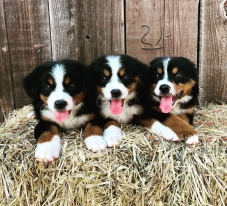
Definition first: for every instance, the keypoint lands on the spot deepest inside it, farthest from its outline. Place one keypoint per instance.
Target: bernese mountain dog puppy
(60, 96)
(119, 85)
(173, 92)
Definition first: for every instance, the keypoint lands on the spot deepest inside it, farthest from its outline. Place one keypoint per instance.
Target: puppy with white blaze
(60, 96)
(119, 85)
(172, 93)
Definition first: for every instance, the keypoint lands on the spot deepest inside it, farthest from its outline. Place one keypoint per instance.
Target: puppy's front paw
(95, 143)
(192, 140)
(48, 151)
(113, 136)
(163, 131)
(189, 133)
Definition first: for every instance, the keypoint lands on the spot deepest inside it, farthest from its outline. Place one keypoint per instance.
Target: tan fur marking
(160, 71)
(106, 72)
(132, 87)
(152, 87)
(91, 130)
(48, 135)
(174, 70)
(186, 88)
(140, 109)
(79, 98)
(99, 89)
(50, 81)
(184, 117)
(43, 98)
(91, 116)
(122, 72)
(181, 127)
(147, 123)
(110, 123)
(67, 80)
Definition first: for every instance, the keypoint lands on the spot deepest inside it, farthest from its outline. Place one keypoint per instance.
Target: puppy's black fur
(60, 96)
(172, 96)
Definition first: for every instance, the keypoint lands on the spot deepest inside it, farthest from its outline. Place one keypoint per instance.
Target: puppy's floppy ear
(30, 83)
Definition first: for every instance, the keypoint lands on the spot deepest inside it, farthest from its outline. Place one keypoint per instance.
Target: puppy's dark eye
(48, 87)
(179, 75)
(72, 86)
(157, 76)
(125, 77)
(103, 78)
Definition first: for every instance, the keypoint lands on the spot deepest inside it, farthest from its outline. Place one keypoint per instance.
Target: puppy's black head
(118, 72)
(118, 78)
(57, 86)
(173, 79)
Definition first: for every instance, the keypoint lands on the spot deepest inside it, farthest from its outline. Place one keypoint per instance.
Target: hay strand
(144, 170)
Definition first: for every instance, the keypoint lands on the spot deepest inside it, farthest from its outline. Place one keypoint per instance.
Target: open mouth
(167, 102)
(177, 96)
(116, 106)
(61, 116)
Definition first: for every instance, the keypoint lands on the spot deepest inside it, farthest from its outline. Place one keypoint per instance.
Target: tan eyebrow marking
(122, 72)
(50, 81)
(67, 80)
(175, 70)
(160, 71)
(106, 72)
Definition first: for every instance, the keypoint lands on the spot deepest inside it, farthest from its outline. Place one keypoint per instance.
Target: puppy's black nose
(116, 93)
(60, 104)
(164, 88)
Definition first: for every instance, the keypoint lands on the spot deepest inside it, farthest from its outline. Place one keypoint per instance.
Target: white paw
(163, 131)
(193, 140)
(113, 136)
(95, 143)
(48, 151)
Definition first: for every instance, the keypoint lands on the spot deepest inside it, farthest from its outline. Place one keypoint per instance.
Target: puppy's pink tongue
(61, 116)
(116, 106)
(166, 104)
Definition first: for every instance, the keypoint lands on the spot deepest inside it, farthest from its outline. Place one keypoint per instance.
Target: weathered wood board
(6, 87)
(213, 51)
(162, 28)
(85, 30)
(28, 34)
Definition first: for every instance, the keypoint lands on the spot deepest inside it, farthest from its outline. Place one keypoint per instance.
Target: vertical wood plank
(181, 25)
(173, 28)
(84, 29)
(144, 28)
(213, 51)
(6, 91)
(29, 40)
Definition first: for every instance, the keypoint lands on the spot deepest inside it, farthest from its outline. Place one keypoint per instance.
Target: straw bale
(144, 170)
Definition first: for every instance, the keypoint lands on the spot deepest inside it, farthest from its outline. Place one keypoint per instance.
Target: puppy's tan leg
(155, 127)
(182, 128)
(173, 128)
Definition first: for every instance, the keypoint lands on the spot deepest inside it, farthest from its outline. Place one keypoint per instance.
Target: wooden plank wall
(6, 87)
(163, 27)
(213, 51)
(33, 31)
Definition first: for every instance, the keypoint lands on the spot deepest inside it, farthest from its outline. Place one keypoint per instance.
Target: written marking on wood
(153, 46)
